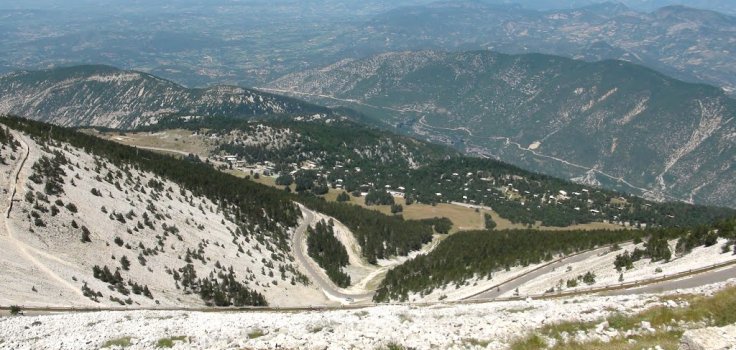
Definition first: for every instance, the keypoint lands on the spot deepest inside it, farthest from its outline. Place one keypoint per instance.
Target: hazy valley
(412, 174)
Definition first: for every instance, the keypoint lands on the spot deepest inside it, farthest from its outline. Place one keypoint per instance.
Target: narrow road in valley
(23, 248)
(299, 93)
(579, 166)
(316, 274)
(500, 289)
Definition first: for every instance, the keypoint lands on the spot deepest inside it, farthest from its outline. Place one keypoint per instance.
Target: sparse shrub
(123, 342)
(85, 233)
(394, 346)
(125, 263)
(15, 310)
(71, 207)
(589, 278)
(256, 333)
(490, 224)
(169, 342)
(96, 192)
(343, 197)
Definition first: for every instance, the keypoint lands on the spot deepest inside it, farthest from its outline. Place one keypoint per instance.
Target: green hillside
(612, 123)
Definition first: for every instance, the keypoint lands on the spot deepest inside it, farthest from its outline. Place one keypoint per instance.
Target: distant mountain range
(250, 43)
(608, 123)
(725, 6)
(611, 123)
(109, 97)
(687, 43)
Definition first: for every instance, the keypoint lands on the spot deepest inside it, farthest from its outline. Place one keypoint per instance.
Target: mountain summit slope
(109, 97)
(609, 122)
(90, 223)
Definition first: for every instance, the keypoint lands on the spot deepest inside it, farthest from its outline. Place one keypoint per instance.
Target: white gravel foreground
(438, 326)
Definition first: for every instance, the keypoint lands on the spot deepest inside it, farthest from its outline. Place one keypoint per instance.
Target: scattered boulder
(711, 338)
(647, 327)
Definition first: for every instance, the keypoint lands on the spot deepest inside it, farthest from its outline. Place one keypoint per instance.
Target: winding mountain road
(316, 274)
(500, 289)
(693, 281)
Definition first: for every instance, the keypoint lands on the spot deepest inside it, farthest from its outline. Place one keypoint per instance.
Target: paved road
(316, 274)
(496, 292)
(693, 281)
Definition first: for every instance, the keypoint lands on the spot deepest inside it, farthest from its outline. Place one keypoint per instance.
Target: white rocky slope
(461, 326)
(602, 266)
(45, 263)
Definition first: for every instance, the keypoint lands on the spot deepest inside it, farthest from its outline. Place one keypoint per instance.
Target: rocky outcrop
(712, 338)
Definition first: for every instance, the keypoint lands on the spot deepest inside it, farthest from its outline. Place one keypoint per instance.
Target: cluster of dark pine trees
(378, 197)
(657, 247)
(328, 252)
(221, 290)
(116, 282)
(380, 236)
(7, 139)
(482, 253)
(440, 225)
(50, 170)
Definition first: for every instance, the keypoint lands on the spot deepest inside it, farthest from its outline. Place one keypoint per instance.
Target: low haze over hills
(200, 44)
(409, 174)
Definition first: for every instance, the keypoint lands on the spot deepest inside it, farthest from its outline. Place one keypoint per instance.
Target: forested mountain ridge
(481, 254)
(349, 157)
(258, 220)
(106, 96)
(611, 123)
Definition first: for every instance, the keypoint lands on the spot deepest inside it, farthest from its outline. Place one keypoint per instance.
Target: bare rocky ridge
(715, 338)
(108, 97)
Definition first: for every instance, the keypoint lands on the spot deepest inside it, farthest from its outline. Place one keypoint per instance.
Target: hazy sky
(726, 6)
